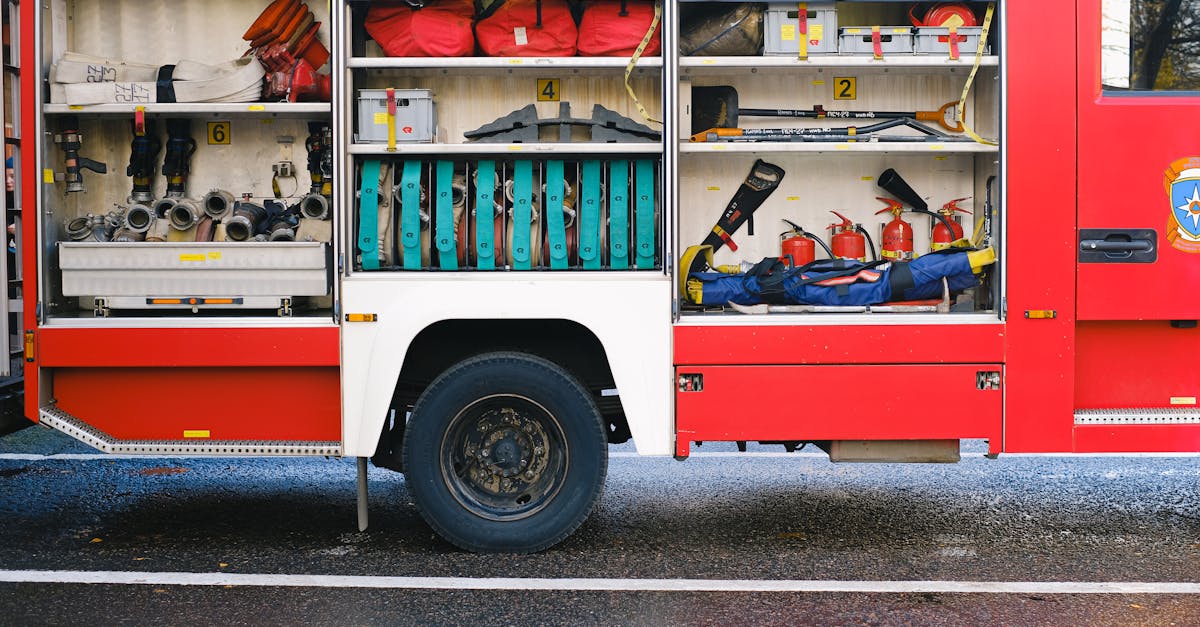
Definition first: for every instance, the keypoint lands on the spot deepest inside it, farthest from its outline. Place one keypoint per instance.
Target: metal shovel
(717, 107)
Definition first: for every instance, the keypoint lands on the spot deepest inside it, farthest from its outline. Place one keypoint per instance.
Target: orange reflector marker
(362, 317)
(1041, 314)
(194, 300)
(29, 346)
(196, 433)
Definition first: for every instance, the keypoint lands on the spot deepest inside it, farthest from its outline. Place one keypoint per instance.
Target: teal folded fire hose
(485, 188)
(410, 214)
(589, 216)
(368, 215)
(618, 215)
(444, 230)
(522, 214)
(644, 213)
(556, 230)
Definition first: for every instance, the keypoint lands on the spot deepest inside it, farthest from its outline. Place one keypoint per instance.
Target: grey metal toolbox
(416, 117)
(146, 269)
(936, 40)
(861, 40)
(782, 31)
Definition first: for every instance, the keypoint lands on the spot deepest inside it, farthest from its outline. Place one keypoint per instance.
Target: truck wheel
(505, 452)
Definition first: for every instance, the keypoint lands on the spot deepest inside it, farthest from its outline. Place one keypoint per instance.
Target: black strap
(770, 274)
(901, 279)
(166, 90)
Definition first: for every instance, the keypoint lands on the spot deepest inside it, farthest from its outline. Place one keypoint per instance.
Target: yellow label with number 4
(548, 90)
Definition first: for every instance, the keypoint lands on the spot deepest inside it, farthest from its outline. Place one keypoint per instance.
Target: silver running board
(76, 428)
(1138, 416)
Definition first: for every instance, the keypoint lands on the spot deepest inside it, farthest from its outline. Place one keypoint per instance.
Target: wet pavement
(715, 516)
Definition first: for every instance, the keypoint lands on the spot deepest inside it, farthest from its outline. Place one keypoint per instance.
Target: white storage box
(416, 118)
(782, 29)
(936, 40)
(861, 40)
(107, 269)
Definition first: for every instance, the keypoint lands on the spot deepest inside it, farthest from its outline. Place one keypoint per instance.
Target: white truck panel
(627, 314)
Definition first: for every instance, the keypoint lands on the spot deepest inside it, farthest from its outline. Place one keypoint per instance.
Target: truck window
(1151, 45)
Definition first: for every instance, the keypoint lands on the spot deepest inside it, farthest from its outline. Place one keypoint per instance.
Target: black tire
(505, 452)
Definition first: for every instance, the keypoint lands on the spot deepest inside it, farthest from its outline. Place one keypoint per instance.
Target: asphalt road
(765, 518)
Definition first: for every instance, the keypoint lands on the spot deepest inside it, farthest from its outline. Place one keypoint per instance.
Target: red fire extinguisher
(847, 242)
(948, 231)
(799, 246)
(897, 242)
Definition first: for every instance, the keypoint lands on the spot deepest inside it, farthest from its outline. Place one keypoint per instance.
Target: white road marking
(593, 585)
(89, 457)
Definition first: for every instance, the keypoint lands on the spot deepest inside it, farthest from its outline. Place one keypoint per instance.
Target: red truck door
(1138, 239)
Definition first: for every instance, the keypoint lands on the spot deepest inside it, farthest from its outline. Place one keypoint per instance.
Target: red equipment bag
(528, 28)
(442, 28)
(941, 14)
(615, 28)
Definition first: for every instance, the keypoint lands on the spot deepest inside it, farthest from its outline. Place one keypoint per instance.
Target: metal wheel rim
(504, 457)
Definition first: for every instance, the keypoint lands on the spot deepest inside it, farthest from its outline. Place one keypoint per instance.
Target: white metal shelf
(201, 109)
(577, 148)
(494, 63)
(838, 147)
(695, 66)
(729, 319)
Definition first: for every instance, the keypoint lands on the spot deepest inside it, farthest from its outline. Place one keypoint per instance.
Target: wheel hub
(503, 457)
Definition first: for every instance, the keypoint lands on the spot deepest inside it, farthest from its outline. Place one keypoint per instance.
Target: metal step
(1138, 416)
(72, 426)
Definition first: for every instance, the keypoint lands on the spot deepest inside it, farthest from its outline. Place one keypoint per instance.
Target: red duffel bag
(513, 29)
(615, 28)
(441, 28)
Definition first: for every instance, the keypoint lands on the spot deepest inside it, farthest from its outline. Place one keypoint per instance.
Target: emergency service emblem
(1182, 181)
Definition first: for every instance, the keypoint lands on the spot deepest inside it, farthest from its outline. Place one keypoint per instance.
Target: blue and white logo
(1185, 200)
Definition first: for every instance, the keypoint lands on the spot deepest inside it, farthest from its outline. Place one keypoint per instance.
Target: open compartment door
(1139, 229)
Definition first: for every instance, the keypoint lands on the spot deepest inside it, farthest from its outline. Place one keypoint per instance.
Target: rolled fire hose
(445, 217)
(205, 229)
(487, 236)
(139, 218)
(397, 216)
(217, 204)
(558, 246)
(281, 231)
(163, 207)
(126, 235)
(522, 250)
(415, 237)
(159, 231)
(385, 226)
(591, 210)
(235, 81)
(458, 203)
(618, 215)
(185, 214)
(245, 222)
(315, 206)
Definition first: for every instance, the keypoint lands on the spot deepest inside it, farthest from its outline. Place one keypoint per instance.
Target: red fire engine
(481, 259)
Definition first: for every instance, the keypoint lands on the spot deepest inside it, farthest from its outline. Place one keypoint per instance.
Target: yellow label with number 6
(218, 133)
